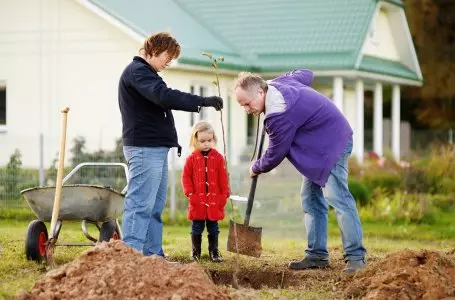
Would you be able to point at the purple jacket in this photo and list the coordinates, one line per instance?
(311, 133)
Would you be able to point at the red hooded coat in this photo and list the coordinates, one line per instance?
(205, 183)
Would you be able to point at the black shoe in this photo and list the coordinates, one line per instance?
(309, 263)
(353, 266)
(214, 253)
(196, 240)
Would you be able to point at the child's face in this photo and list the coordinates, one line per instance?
(204, 140)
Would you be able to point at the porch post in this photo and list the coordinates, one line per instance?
(396, 122)
(338, 92)
(359, 130)
(377, 119)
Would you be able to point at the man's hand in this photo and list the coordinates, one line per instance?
(214, 101)
(252, 174)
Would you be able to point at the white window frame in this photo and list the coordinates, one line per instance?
(3, 127)
(200, 89)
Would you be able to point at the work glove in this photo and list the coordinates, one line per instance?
(214, 101)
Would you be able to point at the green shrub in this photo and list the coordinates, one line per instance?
(377, 178)
(359, 191)
(440, 169)
(415, 180)
(399, 207)
(17, 213)
(445, 202)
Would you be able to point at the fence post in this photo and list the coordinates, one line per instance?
(41, 160)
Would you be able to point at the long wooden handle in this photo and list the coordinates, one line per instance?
(254, 181)
(60, 171)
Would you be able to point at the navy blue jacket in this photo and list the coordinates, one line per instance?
(146, 103)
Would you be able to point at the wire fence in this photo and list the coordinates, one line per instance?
(284, 182)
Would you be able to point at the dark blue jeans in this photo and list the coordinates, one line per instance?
(198, 227)
(315, 206)
(145, 199)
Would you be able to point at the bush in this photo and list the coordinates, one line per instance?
(440, 169)
(442, 201)
(399, 207)
(386, 180)
(359, 191)
(415, 180)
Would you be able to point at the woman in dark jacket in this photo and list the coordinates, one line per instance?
(146, 105)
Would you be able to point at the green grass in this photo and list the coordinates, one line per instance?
(16, 273)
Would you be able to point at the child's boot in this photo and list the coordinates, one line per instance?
(196, 240)
(213, 248)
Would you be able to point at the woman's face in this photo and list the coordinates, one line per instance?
(204, 140)
(161, 61)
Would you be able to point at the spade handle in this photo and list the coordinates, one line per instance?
(254, 181)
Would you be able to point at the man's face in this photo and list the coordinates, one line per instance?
(160, 62)
(253, 102)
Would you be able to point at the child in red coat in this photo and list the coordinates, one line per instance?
(205, 183)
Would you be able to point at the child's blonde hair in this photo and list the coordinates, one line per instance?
(200, 127)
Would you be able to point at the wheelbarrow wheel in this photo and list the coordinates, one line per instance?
(109, 230)
(35, 241)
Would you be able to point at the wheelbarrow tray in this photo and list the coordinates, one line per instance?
(79, 202)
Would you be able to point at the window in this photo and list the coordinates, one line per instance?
(2, 105)
(202, 115)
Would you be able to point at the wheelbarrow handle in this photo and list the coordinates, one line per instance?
(254, 181)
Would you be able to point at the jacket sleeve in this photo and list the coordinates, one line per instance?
(187, 179)
(223, 178)
(152, 87)
(303, 76)
(281, 135)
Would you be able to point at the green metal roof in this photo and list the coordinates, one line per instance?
(387, 67)
(396, 2)
(258, 35)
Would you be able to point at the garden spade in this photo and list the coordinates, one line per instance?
(58, 191)
(243, 238)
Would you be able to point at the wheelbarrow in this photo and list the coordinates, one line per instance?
(93, 204)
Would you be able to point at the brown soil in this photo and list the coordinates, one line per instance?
(115, 271)
(405, 275)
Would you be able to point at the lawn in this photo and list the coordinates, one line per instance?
(16, 273)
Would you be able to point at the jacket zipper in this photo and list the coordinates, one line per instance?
(206, 176)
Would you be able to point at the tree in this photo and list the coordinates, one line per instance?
(432, 24)
(13, 171)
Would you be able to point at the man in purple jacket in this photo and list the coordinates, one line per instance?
(305, 127)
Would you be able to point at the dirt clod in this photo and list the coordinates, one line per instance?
(405, 275)
(115, 271)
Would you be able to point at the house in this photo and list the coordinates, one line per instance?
(57, 53)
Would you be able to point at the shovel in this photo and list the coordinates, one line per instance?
(50, 246)
(242, 238)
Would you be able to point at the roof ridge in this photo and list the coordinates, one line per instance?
(120, 19)
(359, 53)
(207, 28)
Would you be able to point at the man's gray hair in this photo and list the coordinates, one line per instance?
(247, 81)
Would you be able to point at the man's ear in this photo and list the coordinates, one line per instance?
(261, 93)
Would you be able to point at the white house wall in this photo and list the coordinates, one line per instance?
(82, 57)
(78, 65)
(380, 41)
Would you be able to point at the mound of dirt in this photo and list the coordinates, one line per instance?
(115, 271)
(405, 275)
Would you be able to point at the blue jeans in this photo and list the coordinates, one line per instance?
(145, 198)
(316, 207)
(198, 227)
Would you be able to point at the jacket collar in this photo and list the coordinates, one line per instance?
(199, 153)
(144, 62)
